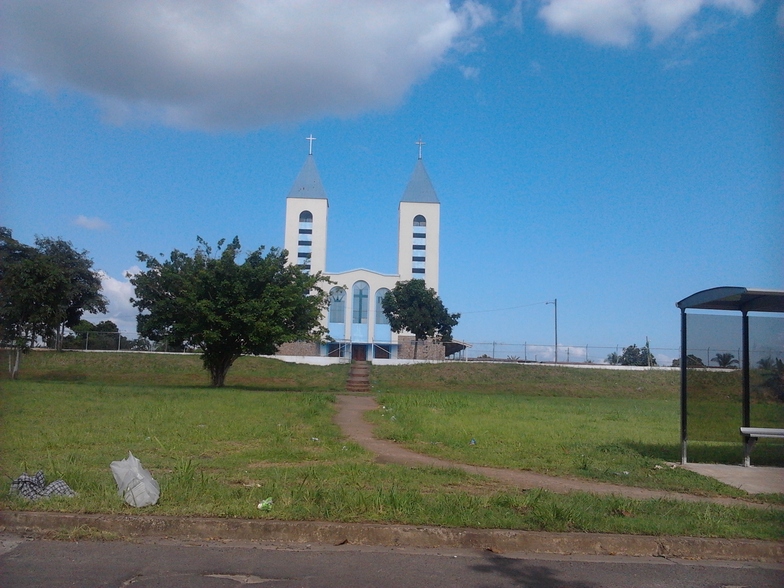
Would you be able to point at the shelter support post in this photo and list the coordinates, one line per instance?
(684, 371)
(746, 373)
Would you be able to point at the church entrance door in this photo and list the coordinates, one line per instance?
(359, 352)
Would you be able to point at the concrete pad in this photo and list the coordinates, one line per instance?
(754, 480)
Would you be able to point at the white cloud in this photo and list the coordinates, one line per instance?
(239, 64)
(620, 22)
(469, 73)
(92, 223)
(119, 310)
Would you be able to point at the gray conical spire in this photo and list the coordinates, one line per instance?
(308, 183)
(419, 188)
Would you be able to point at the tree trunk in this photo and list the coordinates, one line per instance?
(13, 363)
(218, 368)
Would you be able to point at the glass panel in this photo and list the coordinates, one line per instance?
(381, 318)
(360, 300)
(337, 305)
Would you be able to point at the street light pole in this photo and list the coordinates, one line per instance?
(555, 305)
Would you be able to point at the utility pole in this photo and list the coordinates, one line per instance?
(555, 303)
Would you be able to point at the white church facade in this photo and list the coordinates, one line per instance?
(358, 328)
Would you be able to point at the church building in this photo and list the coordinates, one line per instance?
(358, 328)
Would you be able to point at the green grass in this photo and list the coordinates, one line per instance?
(219, 452)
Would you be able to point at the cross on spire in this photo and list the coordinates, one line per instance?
(310, 147)
(420, 143)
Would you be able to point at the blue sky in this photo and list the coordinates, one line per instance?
(618, 155)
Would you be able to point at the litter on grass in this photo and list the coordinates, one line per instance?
(35, 487)
(265, 504)
(135, 484)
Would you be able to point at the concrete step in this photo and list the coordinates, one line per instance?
(358, 377)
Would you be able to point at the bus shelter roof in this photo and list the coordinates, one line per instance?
(735, 298)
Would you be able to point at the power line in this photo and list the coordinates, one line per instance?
(503, 309)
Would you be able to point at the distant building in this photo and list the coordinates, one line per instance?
(357, 326)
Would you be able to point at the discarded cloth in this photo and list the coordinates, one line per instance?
(35, 487)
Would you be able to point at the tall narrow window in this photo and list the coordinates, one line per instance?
(305, 240)
(419, 249)
(381, 318)
(337, 305)
(361, 302)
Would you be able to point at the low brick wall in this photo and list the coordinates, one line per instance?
(306, 348)
(428, 349)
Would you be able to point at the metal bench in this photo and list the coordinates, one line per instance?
(750, 436)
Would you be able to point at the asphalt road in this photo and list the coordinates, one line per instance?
(168, 563)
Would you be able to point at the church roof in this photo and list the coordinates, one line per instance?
(419, 188)
(308, 183)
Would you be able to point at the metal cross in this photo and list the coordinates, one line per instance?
(420, 143)
(311, 139)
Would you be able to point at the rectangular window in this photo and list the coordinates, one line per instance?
(306, 243)
(419, 247)
(417, 258)
(306, 231)
(418, 270)
(419, 236)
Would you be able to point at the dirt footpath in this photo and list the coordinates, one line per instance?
(350, 418)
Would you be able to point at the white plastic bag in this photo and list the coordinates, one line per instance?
(135, 484)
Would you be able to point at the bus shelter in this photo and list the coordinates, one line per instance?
(727, 318)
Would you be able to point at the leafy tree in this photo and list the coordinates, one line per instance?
(103, 336)
(633, 355)
(83, 285)
(766, 363)
(227, 308)
(413, 307)
(613, 358)
(725, 360)
(42, 289)
(692, 361)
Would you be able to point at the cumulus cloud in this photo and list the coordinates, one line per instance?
(92, 223)
(119, 310)
(234, 64)
(620, 22)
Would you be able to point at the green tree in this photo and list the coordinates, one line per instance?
(613, 358)
(82, 291)
(725, 360)
(226, 308)
(103, 336)
(42, 289)
(692, 361)
(633, 355)
(413, 307)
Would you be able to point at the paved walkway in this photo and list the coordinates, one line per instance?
(350, 418)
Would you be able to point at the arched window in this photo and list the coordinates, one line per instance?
(305, 240)
(337, 305)
(361, 302)
(419, 249)
(381, 318)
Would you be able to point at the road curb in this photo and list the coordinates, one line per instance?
(496, 540)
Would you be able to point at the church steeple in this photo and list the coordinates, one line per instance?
(419, 188)
(419, 225)
(308, 183)
(306, 218)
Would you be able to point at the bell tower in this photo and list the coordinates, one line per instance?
(419, 225)
(306, 218)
